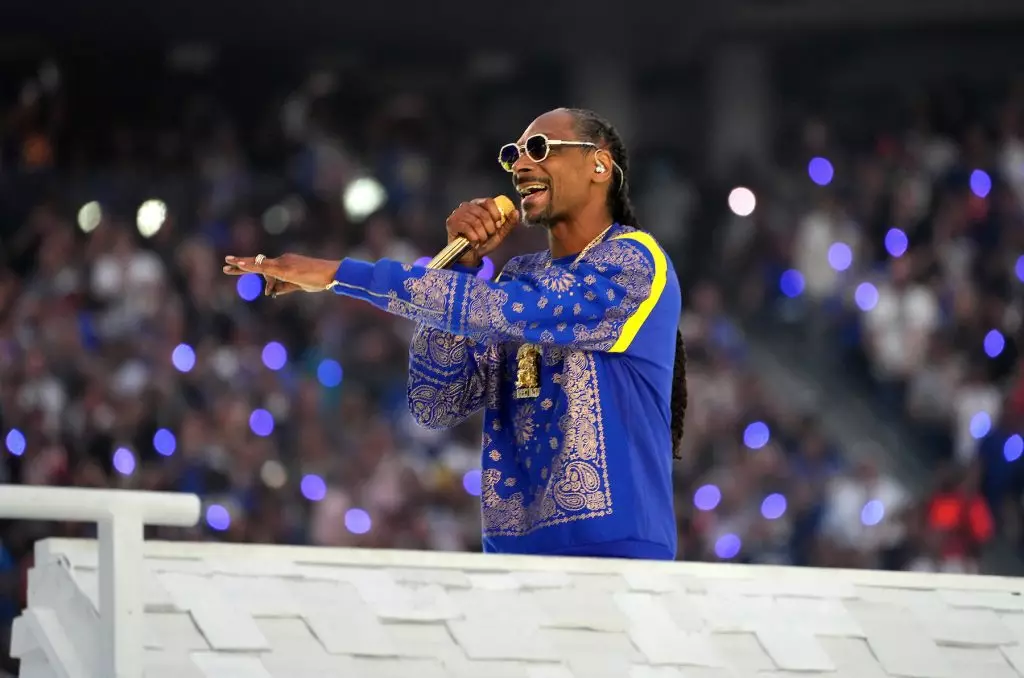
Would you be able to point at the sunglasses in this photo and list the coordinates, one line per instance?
(537, 148)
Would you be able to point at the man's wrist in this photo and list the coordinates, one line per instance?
(333, 271)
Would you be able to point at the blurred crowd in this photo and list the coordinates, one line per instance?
(898, 249)
(128, 361)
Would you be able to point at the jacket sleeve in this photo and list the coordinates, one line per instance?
(447, 375)
(598, 306)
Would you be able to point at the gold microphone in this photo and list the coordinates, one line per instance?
(456, 248)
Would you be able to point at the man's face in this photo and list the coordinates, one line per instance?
(564, 176)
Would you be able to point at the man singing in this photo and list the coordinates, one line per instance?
(573, 353)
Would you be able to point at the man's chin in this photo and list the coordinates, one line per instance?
(542, 220)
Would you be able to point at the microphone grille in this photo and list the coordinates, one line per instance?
(505, 206)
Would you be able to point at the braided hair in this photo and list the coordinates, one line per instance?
(592, 127)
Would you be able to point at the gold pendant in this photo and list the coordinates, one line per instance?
(528, 371)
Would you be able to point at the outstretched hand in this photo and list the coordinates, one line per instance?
(285, 274)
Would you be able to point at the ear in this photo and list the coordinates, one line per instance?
(604, 167)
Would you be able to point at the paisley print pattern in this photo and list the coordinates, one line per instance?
(545, 461)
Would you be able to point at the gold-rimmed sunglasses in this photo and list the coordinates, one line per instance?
(537, 148)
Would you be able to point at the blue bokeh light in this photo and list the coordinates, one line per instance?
(1018, 268)
(261, 422)
(218, 517)
(756, 435)
(422, 261)
(980, 425)
(275, 355)
(866, 296)
(981, 183)
(486, 269)
(728, 546)
(896, 242)
(872, 513)
(183, 358)
(707, 497)
(472, 482)
(329, 373)
(773, 506)
(313, 487)
(994, 343)
(840, 256)
(820, 171)
(164, 442)
(1013, 447)
(249, 286)
(358, 521)
(16, 442)
(791, 283)
(124, 461)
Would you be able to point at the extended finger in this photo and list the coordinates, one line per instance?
(267, 266)
(249, 263)
(241, 262)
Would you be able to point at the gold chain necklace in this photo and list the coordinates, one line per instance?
(590, 245)
(528, 356)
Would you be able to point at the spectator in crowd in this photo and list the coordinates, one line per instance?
(958, 524)
(866, 517)
(817, 232)
(900, 326)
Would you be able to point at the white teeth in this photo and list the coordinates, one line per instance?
(529, 189)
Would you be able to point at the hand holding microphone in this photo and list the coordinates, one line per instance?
(476, 228)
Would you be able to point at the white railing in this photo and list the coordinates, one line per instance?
(120, 516)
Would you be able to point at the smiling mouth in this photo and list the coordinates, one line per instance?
(531, 192)
(526, 190)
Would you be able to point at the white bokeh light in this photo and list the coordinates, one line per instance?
(282, 216)
(151, 217)
(273, 474)
(89, 216)
(742, 201)
(276, 219)
(363, 197)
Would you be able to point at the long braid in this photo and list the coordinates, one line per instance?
(680, 396)
(592, 127)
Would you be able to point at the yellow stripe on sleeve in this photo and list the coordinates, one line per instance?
(639, 317)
